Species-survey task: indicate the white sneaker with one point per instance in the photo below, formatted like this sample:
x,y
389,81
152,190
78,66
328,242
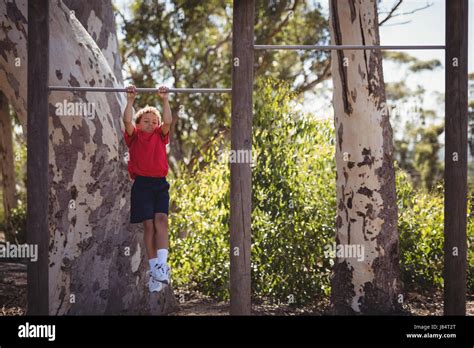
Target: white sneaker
x,y
153,284
161,273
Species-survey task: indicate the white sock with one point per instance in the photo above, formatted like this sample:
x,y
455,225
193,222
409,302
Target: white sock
x,y
153,262
161,256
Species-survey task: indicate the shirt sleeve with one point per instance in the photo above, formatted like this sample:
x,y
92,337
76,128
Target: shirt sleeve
x,y
129,139
165,138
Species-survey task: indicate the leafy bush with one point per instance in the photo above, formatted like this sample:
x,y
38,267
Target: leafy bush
x,y
421,228
18,220
294,198
470,255
199,253
420,224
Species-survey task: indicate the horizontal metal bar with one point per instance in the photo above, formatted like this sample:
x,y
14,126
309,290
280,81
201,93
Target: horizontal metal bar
x,y
139,90
348,47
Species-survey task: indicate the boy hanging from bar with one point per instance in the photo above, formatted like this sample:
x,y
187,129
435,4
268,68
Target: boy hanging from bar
x,y
148,167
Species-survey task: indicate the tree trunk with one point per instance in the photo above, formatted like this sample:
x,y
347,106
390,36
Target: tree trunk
x,y
7,169
97,17
97,259
13,56
365,283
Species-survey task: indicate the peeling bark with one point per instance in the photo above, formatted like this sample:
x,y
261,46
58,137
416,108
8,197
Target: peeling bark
x,y
367,210
97,263
97,18
13,56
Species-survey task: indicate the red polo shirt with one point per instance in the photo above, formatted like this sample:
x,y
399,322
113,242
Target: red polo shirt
x,y
147,153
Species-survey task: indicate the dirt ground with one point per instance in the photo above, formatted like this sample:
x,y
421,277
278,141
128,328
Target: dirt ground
x,y
12,288
13,300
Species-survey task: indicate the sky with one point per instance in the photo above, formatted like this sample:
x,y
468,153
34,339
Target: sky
x,y
425,27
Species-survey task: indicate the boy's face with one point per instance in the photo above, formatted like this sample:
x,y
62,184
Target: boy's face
x,y
148,122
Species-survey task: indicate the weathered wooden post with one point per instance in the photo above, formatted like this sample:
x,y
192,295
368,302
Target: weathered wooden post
x,y
37,155
455,176
240,173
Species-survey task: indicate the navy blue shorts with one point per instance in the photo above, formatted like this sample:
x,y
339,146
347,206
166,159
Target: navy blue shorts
x,y
149,196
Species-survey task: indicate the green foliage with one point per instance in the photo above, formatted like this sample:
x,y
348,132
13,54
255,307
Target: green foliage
x,y
416,129
199,253
19,156
18,221
470,253
293,212
15,229
290,226
425,65
426,161
421,228
418,152
421,235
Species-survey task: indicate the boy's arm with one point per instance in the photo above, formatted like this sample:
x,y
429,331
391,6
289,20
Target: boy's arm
x,y
128,113
167,118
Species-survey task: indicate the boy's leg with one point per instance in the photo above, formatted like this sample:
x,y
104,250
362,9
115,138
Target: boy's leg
x,y
162,271
161,231
160,221
149,237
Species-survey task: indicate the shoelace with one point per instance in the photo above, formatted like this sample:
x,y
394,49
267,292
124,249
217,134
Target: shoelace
x,y
163,268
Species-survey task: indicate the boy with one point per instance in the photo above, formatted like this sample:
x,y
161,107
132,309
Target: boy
x,y
148,167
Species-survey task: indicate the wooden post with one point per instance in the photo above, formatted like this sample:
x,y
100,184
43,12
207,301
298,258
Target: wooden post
x,y
241,139
37,155
455,176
